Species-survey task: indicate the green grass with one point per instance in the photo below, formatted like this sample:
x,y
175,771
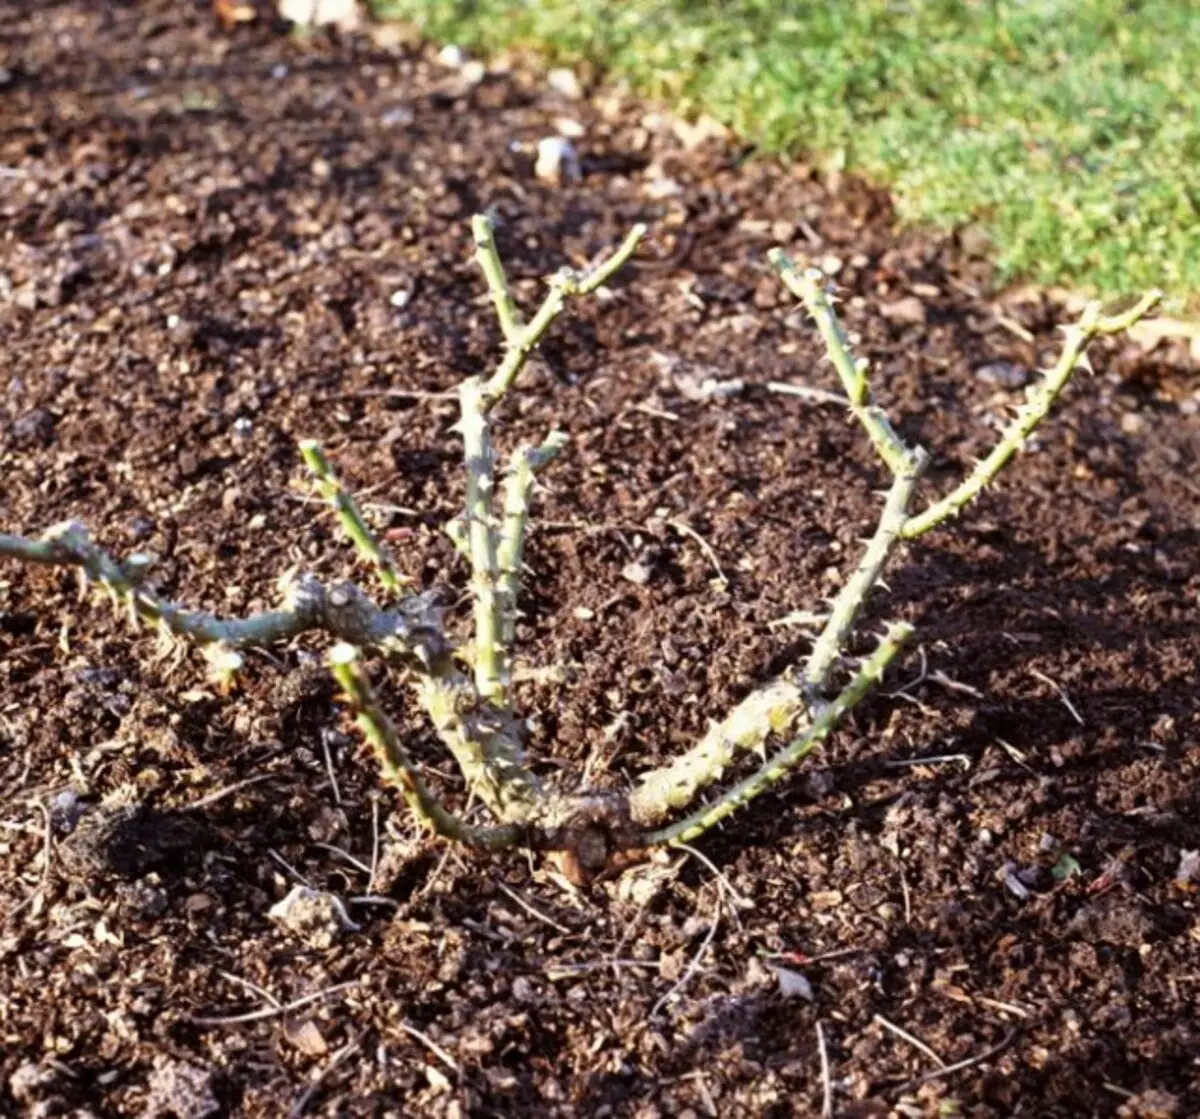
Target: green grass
x,y
1069,130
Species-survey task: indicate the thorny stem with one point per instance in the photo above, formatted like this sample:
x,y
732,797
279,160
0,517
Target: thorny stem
x,y
778,705
341,610
853,595
510,553
768,710
485,743
397,765
780,764
809,287
490,671
329,486
775,708
473,715
563,285
1039,399
495,581
456,530
493,271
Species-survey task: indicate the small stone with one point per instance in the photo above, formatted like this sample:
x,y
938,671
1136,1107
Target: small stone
x,y
974,241
398,116
1006,374
783,231
637,573
65,811
831,264
142,900
1013,883
660,188
316,917
473,72
34,427
452,56
345,15
1132,423
909,311
792,984
570,128
1188,870
27,1081
692,134
557,161
563,80
180,1089
695,388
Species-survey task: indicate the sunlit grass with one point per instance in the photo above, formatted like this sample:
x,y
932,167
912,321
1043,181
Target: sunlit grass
x,y
1068,130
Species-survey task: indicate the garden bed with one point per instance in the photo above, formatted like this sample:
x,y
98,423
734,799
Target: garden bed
x,y
213,245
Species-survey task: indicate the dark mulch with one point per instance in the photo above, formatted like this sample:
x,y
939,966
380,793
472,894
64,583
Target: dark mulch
x,y
214,244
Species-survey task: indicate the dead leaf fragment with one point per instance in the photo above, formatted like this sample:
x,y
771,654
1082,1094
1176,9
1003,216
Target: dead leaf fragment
x,y
305,1036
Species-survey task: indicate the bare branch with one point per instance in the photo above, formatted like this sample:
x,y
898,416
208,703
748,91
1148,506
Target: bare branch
x,y
398,767
353,525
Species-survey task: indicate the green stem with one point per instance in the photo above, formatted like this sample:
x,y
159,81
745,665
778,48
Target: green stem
x,y
341,610
768,710
485,742
488,259
398,767
1039,400
353,525
490,671
853,595
563,285
510,554
456,529
779,765
600,274
809,287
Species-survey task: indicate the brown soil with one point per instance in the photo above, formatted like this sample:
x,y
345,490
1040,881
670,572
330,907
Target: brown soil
x,y
202,241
